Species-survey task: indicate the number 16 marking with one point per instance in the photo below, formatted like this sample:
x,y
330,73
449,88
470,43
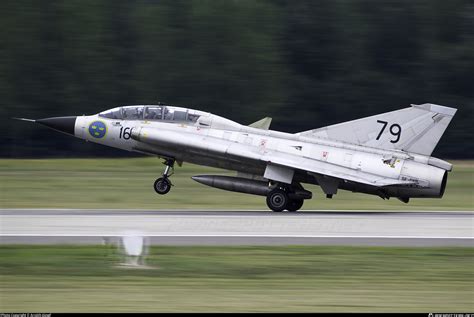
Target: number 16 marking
x,y
125,133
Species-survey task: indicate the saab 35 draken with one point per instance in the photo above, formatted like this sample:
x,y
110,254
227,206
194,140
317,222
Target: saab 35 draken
x,y
388,155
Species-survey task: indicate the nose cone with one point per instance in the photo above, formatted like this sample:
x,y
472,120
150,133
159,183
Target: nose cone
x,y
62,124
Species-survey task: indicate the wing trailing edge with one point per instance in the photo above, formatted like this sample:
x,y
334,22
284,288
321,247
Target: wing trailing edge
x,y
316,167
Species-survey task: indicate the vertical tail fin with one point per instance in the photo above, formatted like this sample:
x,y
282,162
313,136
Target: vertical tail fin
x,y
263,124
416,129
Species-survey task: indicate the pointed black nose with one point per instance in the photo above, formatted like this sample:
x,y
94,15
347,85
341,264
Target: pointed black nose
x,y
62,124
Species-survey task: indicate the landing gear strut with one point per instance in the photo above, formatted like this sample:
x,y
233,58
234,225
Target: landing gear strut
x,y
163,185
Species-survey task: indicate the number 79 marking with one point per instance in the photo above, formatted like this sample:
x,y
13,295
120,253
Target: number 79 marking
x,y
395,130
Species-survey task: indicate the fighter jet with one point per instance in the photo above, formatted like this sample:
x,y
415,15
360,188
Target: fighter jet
x,y
388,155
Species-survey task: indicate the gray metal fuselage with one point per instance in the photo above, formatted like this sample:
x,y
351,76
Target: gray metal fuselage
x,y
218,142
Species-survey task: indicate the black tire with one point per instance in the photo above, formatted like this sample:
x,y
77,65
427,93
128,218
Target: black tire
x,y
277,200
162,186
294,205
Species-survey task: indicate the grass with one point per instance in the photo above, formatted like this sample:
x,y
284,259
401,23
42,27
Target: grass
x,y
238,279
219,279
127,183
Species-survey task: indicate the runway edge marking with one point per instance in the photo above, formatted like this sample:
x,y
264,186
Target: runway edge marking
x,y
231,235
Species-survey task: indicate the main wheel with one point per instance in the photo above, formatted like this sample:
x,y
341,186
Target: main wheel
x,y
277,200
294,205
162,186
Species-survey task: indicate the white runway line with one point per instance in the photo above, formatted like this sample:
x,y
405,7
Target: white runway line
x,y
235,236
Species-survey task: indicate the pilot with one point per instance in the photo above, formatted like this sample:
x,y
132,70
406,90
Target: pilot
x,y
168,114
126,114
116,114
151,114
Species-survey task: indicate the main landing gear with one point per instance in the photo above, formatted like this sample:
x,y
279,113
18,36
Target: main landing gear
x,y
163,185
280,199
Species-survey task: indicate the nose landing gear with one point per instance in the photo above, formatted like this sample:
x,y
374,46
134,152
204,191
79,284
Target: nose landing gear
x,y
163,185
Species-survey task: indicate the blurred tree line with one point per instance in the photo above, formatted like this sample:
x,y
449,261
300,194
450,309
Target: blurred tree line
x,y
307,64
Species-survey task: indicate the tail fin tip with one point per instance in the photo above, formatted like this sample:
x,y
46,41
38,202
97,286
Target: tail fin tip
x,y
436,108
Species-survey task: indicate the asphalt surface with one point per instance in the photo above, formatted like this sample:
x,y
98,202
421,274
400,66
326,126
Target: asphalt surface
x,y
174,227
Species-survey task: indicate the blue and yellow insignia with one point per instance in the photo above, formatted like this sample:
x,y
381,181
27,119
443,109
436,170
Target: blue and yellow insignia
x,y
97,129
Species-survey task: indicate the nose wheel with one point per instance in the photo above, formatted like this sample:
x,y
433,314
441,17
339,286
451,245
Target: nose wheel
x,y
163,185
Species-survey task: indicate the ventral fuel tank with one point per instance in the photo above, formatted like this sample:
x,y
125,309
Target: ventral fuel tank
x,y
246,185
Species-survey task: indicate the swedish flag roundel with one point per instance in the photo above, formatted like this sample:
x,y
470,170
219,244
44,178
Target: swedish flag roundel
x,y
97,129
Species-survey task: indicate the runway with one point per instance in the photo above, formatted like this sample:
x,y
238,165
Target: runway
x,y
174,227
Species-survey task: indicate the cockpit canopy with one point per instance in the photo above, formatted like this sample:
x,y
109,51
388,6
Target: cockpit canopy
x,y
159,112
